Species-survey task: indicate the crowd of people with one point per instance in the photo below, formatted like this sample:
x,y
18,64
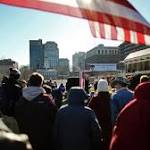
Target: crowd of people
x,y
114,117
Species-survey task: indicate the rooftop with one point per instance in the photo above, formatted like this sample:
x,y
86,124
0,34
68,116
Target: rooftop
x,y
138,54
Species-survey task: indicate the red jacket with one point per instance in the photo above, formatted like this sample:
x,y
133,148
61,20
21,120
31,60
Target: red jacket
x,y
132,131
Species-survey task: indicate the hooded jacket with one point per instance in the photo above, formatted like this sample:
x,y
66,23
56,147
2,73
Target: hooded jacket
x,y
76,126
35,114
132,130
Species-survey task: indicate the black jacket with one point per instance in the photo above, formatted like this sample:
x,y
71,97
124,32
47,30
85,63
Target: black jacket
x,y
76,126
35,118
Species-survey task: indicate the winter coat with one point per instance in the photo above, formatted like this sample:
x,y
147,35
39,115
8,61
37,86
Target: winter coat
x,y
11,91
35,114
132,131
119,100
101,104
62,88
76,126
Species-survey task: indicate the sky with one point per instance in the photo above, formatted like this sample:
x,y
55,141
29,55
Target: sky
x,y
19,25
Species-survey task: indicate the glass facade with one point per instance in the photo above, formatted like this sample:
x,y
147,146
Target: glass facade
x,y
36,54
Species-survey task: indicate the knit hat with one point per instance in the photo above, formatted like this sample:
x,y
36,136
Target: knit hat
x,y
102,85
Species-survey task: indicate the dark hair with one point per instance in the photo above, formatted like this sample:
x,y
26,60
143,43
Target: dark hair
x,y
47,88
123,84
36,79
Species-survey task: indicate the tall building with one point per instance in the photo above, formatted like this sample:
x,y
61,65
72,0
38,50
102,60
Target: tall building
x,y
5,64
36,54
126,48
51,55
63,68
78,60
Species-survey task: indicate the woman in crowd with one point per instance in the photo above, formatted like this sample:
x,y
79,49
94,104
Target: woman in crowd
x,y
101,106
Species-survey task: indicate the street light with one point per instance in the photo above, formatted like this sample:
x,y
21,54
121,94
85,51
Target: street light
x,y
92,68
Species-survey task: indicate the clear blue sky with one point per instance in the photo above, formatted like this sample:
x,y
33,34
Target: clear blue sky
x,y
18,26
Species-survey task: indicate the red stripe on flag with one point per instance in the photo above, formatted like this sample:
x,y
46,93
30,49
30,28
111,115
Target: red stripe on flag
x,y
140,38
113,33
127,35
76,12
102,30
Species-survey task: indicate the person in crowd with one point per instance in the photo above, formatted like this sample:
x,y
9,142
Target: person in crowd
x,y
95,85
11,92
121,97
135,80
76,126
23,83
102,108
35,114
144,78
132,128
48,90
10,140
55,84
58,96
62,88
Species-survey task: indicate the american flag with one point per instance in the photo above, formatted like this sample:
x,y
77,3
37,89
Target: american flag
x,y
109,19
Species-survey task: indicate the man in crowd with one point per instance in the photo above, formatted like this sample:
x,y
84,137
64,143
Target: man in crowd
x,y
121,97
35,114
11,91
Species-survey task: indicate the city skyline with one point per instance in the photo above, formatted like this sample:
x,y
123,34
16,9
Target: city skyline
x,y
71,34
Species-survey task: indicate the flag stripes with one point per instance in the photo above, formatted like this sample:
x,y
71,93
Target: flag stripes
x,y
111,19
116,33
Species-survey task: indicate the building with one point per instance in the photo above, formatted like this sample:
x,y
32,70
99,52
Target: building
x,y
5,64
48,73
78,60
138,62
102,59
127,48
51,55
36,54
63,68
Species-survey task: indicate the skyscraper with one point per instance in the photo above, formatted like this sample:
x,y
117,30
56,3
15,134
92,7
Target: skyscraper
x,y
51,55
36,54
78,60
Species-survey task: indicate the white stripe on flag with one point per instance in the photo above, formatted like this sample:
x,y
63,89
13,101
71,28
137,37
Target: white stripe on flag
x,y
107,31
147,39
120,34
72,3
97,29
133,37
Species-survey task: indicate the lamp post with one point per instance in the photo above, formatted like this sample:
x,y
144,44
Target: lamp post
x,y
92,68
